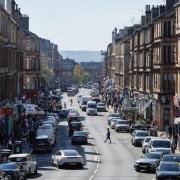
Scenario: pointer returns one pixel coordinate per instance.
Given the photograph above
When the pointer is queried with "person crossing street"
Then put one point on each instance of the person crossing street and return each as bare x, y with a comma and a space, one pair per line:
108, 136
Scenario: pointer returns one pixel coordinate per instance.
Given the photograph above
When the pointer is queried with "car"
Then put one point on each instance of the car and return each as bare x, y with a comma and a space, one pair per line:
96, 99
122, 125
27, 161
111, 116
13, 171
67, 158
148, 162
42, 143
79, 137
159, 144
137, 127
91, 108
113, 123
101, 107
47, 129
171, 158
168, 170
75, 126
145, 143
73, 116
138, 137
83, 102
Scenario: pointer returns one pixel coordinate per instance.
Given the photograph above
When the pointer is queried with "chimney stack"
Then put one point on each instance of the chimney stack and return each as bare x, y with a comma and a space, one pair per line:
143, 20
162, 9
148, 14
170, 5
154, 12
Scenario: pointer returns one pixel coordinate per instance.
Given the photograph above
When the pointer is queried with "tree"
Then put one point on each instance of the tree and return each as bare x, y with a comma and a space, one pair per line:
80, 76
47, 75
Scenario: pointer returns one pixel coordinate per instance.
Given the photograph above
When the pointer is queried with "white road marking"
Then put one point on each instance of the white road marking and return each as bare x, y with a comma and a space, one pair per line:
97, 158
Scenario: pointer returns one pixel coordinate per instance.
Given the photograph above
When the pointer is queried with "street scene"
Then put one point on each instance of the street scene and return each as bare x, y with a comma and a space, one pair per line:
92, 94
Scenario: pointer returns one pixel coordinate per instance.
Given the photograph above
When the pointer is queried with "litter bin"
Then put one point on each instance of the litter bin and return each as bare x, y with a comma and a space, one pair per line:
18, 147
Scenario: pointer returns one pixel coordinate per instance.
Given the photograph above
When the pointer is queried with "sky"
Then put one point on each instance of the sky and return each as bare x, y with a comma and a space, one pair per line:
82, 24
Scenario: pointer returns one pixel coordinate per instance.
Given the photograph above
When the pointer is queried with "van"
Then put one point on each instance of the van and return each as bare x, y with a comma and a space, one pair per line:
48, 130
33, 109
91, 108
83, 102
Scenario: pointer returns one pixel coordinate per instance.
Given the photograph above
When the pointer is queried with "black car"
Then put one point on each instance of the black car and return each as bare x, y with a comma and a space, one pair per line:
149, 162
13, 170
79, 137
168, 170
74, 126
42, 143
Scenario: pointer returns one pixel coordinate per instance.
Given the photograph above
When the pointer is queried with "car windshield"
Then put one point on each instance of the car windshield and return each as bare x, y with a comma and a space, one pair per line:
100, 104
46, 126
147, 139
79, 133
171, 158
161, 144
143, 134
70, 153
76, 125
17, 159
122, 122
92, 106
169, 167
8, 166
114, 115
153, 156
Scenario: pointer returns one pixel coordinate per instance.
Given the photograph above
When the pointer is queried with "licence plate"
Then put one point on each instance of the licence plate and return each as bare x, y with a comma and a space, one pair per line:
143, 166
72, 164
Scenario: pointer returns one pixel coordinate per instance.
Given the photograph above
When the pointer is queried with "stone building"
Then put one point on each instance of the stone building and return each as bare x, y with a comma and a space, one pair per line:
11, 53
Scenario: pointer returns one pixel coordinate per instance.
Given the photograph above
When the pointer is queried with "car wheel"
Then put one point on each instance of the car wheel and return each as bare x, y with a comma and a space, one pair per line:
137, 170
29, 172
60, 166
81, 166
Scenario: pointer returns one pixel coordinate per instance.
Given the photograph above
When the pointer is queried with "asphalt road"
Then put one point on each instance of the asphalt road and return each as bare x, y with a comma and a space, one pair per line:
103, 161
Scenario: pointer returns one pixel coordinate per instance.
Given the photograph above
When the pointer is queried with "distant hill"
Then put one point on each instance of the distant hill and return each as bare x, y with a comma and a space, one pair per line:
82, 56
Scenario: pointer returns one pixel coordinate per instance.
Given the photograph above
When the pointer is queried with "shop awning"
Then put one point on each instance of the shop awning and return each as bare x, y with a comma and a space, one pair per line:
177, 120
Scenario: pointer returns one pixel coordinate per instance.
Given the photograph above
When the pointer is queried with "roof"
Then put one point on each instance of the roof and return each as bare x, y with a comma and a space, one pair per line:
18, 155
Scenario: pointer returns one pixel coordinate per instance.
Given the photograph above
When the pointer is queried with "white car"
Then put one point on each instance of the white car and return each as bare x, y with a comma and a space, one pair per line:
113, 123
47, 129
112, 116
145, 143
67, 157
91, 108
101, 107
27, 161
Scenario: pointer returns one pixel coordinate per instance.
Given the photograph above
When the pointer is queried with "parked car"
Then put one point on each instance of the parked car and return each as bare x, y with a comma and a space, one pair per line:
168, 170
137, 127
146, 142
148, 162
75, 126
111, 118
101, 107
83, 102
122, 126
67, 158
27, 161
42, 143
138, 137
13, 171
159, 144
79, 137
171, 158
113, 123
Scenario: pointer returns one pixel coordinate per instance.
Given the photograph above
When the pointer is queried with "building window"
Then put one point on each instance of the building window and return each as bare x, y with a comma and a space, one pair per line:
167, 28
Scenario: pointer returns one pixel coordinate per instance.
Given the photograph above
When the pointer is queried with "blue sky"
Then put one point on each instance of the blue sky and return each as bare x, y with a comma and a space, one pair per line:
81, 24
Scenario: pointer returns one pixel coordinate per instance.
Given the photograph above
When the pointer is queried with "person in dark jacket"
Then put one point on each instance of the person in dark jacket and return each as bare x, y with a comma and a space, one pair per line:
108, 136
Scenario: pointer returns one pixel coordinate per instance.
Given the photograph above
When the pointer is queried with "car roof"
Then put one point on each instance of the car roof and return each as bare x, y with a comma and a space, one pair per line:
18, 155
160, 139
140, 131
172, 155
156, 152
42, 137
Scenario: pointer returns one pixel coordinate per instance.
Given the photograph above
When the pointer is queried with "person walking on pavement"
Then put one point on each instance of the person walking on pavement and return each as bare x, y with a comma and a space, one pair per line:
108, 136
64, 105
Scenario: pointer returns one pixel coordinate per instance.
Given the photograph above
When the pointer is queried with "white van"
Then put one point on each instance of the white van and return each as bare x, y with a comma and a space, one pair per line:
83, 102
48, 130
91, 108
33, 109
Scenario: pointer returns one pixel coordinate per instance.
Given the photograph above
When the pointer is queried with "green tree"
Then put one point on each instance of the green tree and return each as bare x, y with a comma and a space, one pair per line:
47, 75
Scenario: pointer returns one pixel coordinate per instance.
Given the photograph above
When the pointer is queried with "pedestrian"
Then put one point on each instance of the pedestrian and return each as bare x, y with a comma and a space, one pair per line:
167, 130
108, 136
170, 131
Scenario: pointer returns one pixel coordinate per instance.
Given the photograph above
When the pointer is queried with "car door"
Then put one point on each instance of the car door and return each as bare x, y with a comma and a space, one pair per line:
34, 163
